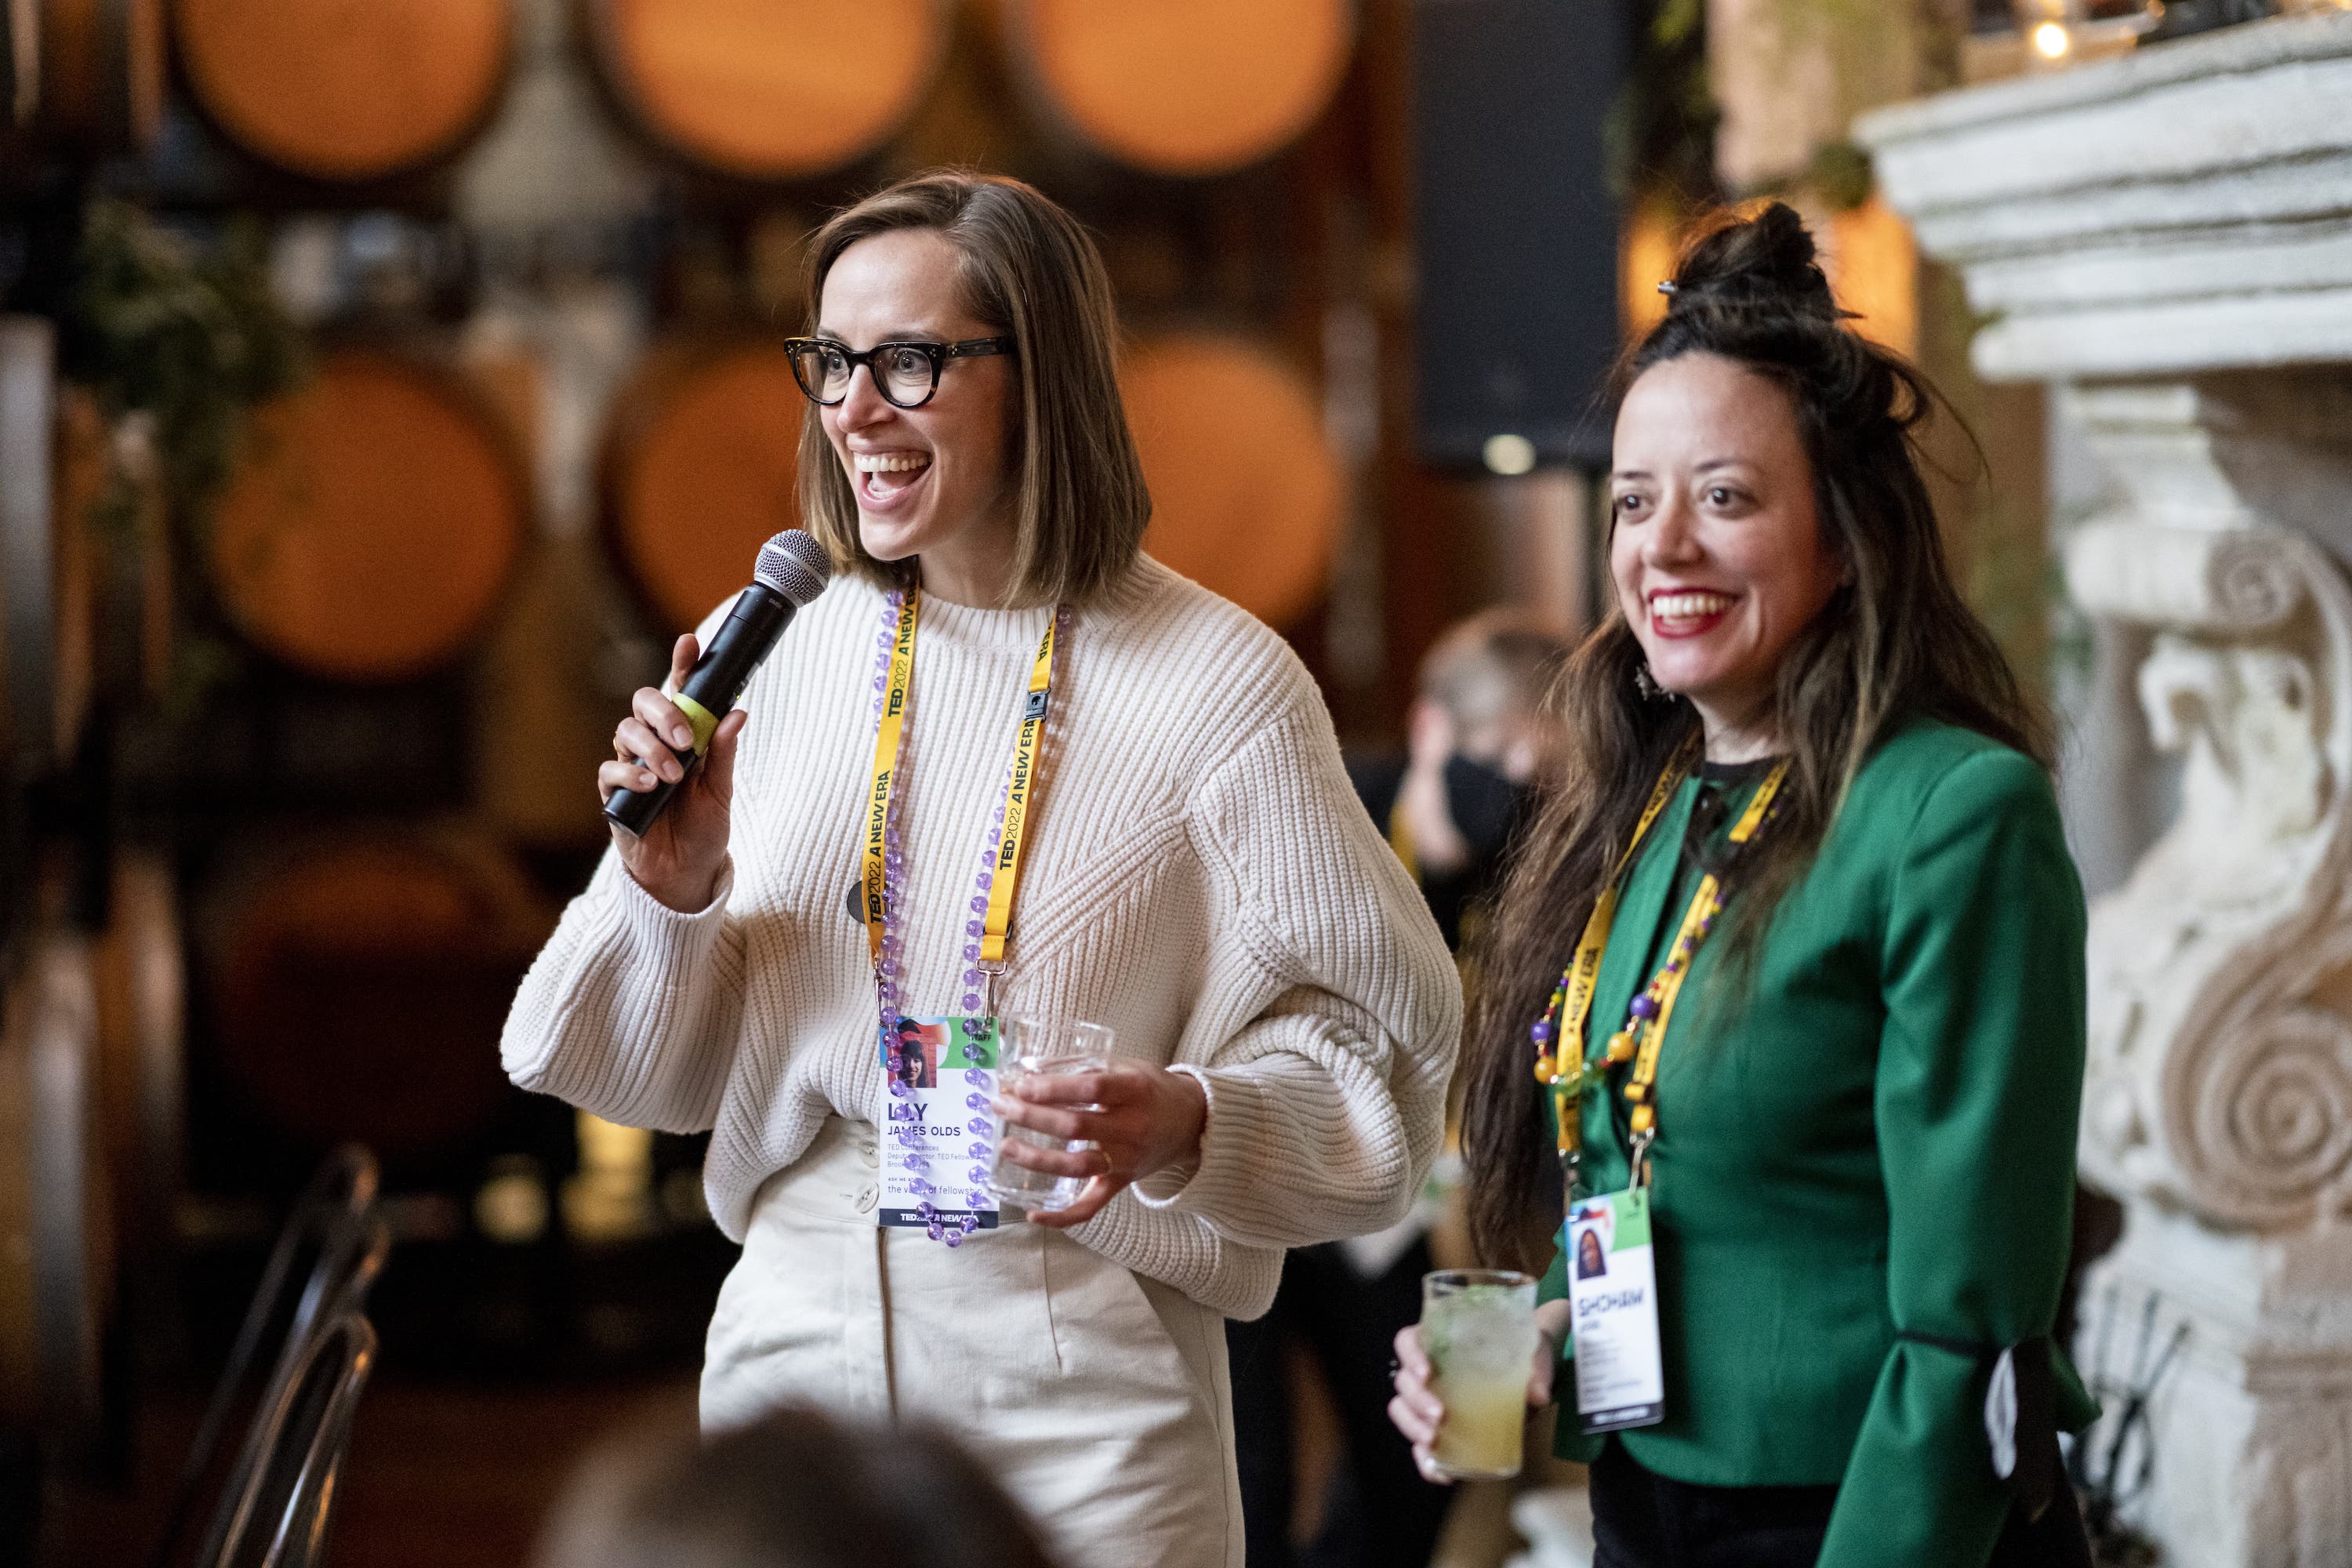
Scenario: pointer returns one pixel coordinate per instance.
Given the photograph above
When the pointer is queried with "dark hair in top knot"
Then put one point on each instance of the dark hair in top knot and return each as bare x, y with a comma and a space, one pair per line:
1895, 642
1767, 262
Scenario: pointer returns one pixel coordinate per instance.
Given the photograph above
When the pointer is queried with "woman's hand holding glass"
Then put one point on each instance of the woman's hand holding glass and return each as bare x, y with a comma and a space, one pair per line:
1416, 1411
679, 858
1140, 1119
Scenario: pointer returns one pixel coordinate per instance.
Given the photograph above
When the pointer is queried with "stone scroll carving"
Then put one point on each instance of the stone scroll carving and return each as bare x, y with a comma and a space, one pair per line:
2218, 1101
2161, 239
2221, 973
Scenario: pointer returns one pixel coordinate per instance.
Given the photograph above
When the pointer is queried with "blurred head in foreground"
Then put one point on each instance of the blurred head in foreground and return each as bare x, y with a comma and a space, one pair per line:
794, 1489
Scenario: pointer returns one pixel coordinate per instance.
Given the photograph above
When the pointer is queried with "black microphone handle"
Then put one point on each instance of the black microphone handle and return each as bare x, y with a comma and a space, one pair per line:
711, 689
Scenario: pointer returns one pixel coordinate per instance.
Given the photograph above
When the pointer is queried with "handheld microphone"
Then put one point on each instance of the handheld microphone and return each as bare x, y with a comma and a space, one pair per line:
792, 570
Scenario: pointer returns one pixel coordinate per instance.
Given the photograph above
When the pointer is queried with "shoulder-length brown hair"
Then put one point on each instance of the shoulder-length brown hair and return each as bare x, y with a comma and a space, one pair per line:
1895, 642
1028, 270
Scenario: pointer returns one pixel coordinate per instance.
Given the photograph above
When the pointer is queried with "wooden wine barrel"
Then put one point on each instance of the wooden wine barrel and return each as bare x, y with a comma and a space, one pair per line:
766, 90
20, 64
101, 85
113, 572
34, 613
356, 988
340, 91
1246, 491
1186, 87
377, 513
56, 1232
140, 969
699, 462
89, 1113
81, 486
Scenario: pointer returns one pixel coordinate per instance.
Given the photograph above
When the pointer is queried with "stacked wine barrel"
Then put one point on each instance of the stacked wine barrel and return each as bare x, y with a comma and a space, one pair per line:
89, 1118
356, 983
1247, 494
377, 514
766, 90
84, 76
757, 90
344, 92
1185, 88
56, 1294
700, 459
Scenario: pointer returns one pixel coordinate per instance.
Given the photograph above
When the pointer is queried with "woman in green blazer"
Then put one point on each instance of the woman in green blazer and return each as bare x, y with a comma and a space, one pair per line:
1829, 1017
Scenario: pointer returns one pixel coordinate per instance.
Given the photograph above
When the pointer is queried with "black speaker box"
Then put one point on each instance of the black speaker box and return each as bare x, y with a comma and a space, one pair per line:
1516, 322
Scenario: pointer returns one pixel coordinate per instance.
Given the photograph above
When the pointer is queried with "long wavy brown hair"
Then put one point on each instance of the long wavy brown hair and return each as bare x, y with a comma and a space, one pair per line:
1895, 642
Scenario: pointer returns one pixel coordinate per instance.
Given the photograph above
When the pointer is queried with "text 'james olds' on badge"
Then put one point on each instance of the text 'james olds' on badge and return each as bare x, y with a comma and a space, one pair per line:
1621, 1380
940, 1135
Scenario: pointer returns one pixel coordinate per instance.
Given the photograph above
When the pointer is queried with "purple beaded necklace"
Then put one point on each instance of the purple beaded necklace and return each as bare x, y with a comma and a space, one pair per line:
888, 974
979, 978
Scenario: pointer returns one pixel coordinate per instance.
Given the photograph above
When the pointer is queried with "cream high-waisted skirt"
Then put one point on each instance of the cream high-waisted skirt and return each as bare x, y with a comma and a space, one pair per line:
1098, 1396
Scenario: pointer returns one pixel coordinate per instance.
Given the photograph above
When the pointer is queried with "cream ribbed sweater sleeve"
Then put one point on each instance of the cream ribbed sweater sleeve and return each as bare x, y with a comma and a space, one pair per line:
632, 1010
1330, 1011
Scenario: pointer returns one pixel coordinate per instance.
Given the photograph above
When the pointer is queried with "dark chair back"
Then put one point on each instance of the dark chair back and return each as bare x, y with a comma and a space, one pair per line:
281, 1516
334, 1225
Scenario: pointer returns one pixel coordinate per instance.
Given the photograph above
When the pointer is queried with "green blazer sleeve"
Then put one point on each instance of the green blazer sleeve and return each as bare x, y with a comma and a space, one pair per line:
1553, 1286
1977, 1088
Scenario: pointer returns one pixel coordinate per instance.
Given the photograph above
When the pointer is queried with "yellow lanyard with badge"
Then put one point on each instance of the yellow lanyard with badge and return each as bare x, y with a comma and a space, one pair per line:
1612, 1281
940, 1071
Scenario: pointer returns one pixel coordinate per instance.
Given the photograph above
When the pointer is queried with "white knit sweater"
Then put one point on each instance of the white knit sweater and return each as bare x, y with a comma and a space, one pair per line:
1200, 876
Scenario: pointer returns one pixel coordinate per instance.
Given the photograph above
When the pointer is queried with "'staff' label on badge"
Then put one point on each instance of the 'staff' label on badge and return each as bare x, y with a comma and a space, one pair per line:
1620, 1378
938, 1136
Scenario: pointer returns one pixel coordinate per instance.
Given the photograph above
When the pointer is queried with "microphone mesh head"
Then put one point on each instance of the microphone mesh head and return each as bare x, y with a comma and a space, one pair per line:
795, 564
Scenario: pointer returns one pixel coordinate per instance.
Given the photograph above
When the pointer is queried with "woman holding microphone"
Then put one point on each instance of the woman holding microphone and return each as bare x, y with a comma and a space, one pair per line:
1789, 979
1008, 767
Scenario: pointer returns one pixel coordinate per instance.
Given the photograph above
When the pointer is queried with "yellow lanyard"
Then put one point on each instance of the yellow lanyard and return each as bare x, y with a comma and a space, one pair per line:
1401, 838
1562, 1026
1645, 1033
886, 766
999, 919
1019, 793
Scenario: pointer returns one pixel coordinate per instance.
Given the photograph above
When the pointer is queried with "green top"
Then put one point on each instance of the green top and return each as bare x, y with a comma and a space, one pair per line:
1878, 1136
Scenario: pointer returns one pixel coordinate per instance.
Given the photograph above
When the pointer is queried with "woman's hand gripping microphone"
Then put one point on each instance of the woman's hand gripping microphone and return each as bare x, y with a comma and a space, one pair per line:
679, 858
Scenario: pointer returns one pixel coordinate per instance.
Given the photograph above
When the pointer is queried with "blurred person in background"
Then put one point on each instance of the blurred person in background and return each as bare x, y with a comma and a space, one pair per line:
1479, 746
1799, 776
793, 1489
1197, 875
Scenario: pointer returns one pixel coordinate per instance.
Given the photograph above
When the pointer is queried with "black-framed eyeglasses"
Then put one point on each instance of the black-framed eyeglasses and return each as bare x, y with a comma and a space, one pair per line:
906, 373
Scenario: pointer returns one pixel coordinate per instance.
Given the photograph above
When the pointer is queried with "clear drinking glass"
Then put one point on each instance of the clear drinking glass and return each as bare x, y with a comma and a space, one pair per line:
1478, 1326
1054, 1047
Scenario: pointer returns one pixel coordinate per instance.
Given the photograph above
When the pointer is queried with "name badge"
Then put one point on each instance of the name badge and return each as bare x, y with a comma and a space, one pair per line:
1621, 1379
938, 1136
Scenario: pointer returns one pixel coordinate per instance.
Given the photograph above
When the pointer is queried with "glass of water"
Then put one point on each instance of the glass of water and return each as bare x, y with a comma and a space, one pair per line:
1054, 1047
1478, 1326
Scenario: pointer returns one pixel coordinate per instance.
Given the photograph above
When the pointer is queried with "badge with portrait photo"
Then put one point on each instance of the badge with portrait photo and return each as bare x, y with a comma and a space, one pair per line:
939, 1135
1613, 1303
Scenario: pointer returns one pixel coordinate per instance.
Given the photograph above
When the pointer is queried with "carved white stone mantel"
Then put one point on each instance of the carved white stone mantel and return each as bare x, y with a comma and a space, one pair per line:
2167, 238
2175, 210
